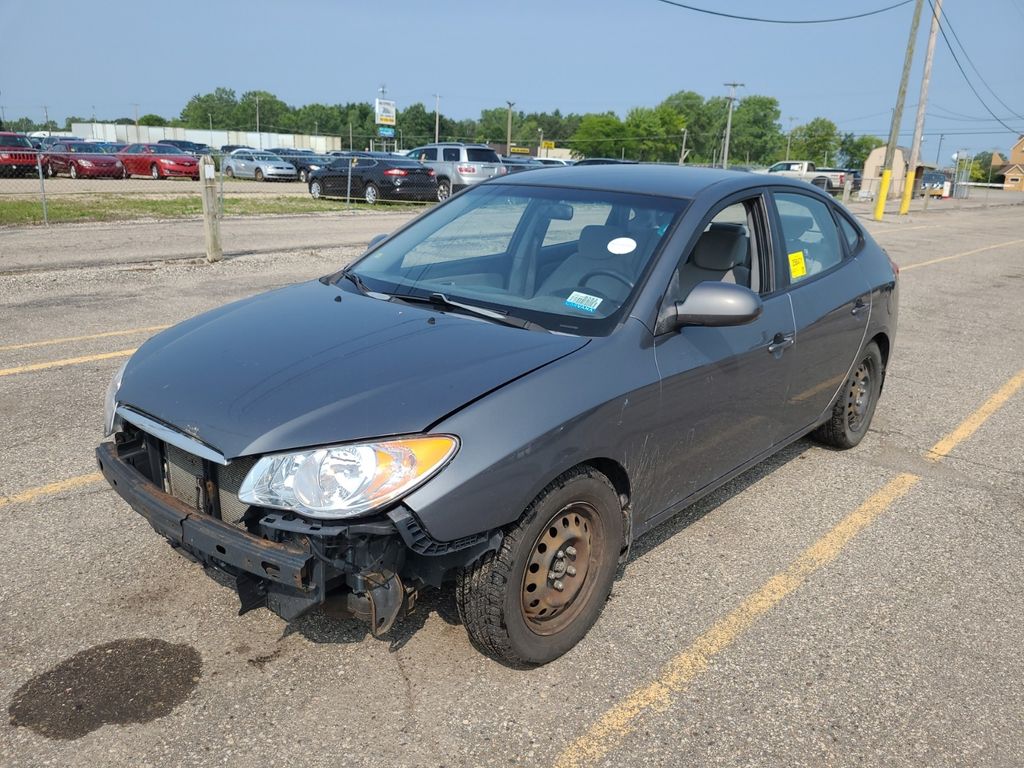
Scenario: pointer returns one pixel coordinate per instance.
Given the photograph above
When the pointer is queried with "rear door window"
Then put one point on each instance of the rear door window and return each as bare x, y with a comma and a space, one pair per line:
451, 154
810, 236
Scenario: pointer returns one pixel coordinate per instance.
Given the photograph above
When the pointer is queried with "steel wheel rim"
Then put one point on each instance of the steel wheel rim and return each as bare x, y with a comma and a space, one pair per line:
314, 189
442, 191
74, 172
858, 396
154, 172
560, 573
258, 175
371, 194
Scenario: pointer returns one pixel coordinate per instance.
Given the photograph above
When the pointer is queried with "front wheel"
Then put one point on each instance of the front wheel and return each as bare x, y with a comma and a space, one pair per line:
371, 194
855, 406
258, 175
154, 171
73, 171
229, 172
316, 190
303, 175
539, 594
444, 190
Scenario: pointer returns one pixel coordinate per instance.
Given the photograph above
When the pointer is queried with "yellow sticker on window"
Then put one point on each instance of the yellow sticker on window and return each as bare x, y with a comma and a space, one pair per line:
797, 266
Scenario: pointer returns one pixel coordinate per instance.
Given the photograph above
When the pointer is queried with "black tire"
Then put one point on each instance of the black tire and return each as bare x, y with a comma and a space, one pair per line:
502, 598
303, 175
48, 170
154, 171
73, 171
316, 189
855, 406
444, 190
258, 175
371, 194
229, 172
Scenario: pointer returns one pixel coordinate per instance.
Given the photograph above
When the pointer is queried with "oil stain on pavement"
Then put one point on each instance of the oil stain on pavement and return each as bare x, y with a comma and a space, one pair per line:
125, 681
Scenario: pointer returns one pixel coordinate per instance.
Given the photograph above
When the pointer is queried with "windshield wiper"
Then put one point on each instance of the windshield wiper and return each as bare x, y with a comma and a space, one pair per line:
440, 300
364, 289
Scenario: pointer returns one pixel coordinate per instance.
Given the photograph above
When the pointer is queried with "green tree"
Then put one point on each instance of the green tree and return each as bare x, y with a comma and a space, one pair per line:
854, 150
982, 170
151, 119
599, 136
274, 114
817, 141
416, 125
653, 134
219, 105
756, 133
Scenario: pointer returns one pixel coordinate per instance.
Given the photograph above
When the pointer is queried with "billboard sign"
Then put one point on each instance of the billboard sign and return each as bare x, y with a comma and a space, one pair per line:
384, 111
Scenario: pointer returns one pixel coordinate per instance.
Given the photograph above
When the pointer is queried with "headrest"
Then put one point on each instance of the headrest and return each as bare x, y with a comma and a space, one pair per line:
720, 249
595, 240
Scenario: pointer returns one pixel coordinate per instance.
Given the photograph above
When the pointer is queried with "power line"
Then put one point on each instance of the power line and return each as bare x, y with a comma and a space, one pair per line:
949, 24
784, 21
945, 38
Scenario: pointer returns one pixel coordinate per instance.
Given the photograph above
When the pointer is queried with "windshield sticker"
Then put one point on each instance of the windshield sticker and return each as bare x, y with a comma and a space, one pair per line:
620, 246
797, 265
583, 301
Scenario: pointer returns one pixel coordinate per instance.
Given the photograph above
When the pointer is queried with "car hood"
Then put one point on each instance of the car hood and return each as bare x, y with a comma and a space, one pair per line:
298, 367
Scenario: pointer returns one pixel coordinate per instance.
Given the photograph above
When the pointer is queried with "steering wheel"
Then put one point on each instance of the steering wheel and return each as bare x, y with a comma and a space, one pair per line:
607, 273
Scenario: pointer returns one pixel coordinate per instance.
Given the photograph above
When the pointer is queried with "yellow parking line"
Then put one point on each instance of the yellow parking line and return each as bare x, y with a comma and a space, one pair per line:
45, 490
970, 425
961, 255
106, 335
65, 361
621, 720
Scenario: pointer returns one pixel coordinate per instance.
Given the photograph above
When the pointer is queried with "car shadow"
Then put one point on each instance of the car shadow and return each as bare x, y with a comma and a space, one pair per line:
330, 625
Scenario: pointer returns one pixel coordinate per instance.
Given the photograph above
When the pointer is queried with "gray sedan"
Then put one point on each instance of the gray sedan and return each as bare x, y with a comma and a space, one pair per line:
253, 164
505, 394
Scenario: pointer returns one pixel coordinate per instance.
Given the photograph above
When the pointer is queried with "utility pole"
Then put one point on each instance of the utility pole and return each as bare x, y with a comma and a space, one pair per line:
258, 134
897, 115
915, 147
437, 117
46, 118
789, 136
210, 116
540, 141
728, 122
938, 152
682, 152
508, 131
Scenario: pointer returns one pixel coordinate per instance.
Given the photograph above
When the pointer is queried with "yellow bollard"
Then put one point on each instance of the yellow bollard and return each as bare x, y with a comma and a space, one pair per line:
883, 192
908, 192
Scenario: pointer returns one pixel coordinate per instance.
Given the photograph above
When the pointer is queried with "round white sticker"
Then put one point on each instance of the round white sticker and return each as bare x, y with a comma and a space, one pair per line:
622, 245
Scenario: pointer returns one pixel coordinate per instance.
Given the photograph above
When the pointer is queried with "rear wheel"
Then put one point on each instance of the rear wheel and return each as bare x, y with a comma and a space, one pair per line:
855, 406
444, 190
154, 171
539, 594
48, 169
371, 194
258, 175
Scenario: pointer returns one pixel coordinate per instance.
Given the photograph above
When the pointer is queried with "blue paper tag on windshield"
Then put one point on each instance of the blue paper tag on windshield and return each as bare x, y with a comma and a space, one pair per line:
583, 301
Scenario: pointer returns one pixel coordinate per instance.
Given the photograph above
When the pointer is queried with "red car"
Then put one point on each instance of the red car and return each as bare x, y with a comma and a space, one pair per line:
17, 155
158, 161
80, 159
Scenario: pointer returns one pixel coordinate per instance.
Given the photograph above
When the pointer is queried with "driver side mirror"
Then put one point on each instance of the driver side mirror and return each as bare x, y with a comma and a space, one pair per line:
711, 304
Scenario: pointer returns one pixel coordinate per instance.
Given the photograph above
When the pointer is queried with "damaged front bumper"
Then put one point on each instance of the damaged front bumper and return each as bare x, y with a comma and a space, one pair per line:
291, 565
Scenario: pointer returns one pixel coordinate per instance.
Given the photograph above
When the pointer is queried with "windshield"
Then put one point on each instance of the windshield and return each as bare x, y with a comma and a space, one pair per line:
15, 141
91, 149
566, 259
266, 158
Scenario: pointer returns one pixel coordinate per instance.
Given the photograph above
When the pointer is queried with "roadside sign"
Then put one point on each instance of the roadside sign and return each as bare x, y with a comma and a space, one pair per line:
384, 112
386, 131
519, 150
547, 145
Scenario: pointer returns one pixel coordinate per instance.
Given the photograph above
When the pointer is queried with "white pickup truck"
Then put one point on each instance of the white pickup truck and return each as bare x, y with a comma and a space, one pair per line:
828, 180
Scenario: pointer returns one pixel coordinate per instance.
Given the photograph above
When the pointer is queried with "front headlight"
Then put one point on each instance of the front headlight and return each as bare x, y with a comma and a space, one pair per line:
85, 163
345, 480
110, 403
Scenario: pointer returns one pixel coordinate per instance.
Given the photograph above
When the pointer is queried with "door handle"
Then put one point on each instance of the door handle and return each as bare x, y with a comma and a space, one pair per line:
858, 306
780, 342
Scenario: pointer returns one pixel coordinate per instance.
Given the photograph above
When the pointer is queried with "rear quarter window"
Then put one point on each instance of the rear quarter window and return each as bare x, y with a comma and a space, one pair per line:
480, 155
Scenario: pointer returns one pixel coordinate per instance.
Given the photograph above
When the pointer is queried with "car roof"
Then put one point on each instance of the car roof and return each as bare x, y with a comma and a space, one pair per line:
649, 179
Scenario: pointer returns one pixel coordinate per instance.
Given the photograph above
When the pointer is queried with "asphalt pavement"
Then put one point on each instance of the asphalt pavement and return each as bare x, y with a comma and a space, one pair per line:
825, 608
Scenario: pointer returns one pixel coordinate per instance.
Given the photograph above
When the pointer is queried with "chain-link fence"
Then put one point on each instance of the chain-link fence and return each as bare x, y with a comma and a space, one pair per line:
70, 177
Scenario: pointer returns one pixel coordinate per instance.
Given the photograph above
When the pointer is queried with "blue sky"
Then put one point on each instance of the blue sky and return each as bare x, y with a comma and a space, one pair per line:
575, 55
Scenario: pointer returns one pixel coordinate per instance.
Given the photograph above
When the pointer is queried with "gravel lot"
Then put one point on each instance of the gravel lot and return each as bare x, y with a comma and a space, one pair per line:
902, 648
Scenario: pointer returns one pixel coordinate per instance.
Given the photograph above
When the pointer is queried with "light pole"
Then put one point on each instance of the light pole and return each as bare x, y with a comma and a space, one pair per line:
210, 115
540, 141
258, 134
728, 122
789, 136
508, 130
437, 117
